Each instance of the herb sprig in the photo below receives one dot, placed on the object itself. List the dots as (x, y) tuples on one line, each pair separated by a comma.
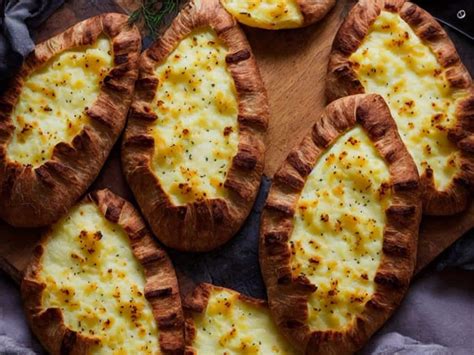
[(152, 12)]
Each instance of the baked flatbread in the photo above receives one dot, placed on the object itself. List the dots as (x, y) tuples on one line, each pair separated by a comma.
[(99, 284), (397, 50), (61, 115), (193, 150), (339, 228), (278, 14), (223, 321)]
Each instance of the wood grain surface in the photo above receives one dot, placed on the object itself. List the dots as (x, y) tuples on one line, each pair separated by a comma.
[(293, 65)]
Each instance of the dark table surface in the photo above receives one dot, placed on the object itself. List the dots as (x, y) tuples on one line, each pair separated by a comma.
[(439, 308)]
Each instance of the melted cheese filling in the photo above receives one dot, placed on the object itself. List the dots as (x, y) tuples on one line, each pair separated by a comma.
[(196, 133), (230, 325), (269, 14), (393, 62), (338, 229), (91, 274), (53, 99)]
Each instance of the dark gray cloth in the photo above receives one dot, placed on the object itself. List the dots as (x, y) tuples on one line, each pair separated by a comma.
[(437, 313), (395, 343), (15, 336), (460, 254), (8, 346), (17, 18), (456, 14)]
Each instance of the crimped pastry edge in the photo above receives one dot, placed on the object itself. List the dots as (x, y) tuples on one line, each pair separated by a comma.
[(36, 197), (197, 301), (161, 288), (342, 81), (202, 225), (287, 294)]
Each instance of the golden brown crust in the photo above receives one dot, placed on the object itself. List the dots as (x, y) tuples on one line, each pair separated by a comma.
[(314, 10), (32, 197), (206, 224), (342, 81), (161, 288), (287, 294), (196, 302)]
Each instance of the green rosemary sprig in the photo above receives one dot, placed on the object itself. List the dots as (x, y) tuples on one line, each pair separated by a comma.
[(152, 12)]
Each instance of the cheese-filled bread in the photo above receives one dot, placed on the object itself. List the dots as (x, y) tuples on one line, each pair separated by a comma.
[(61, 115), (339, 228), (193, 149), (99, 284), (397, 50), (278, 14), (223, 321)]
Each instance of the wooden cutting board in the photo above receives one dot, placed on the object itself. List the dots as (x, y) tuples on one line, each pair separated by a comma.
[(293, 65)]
